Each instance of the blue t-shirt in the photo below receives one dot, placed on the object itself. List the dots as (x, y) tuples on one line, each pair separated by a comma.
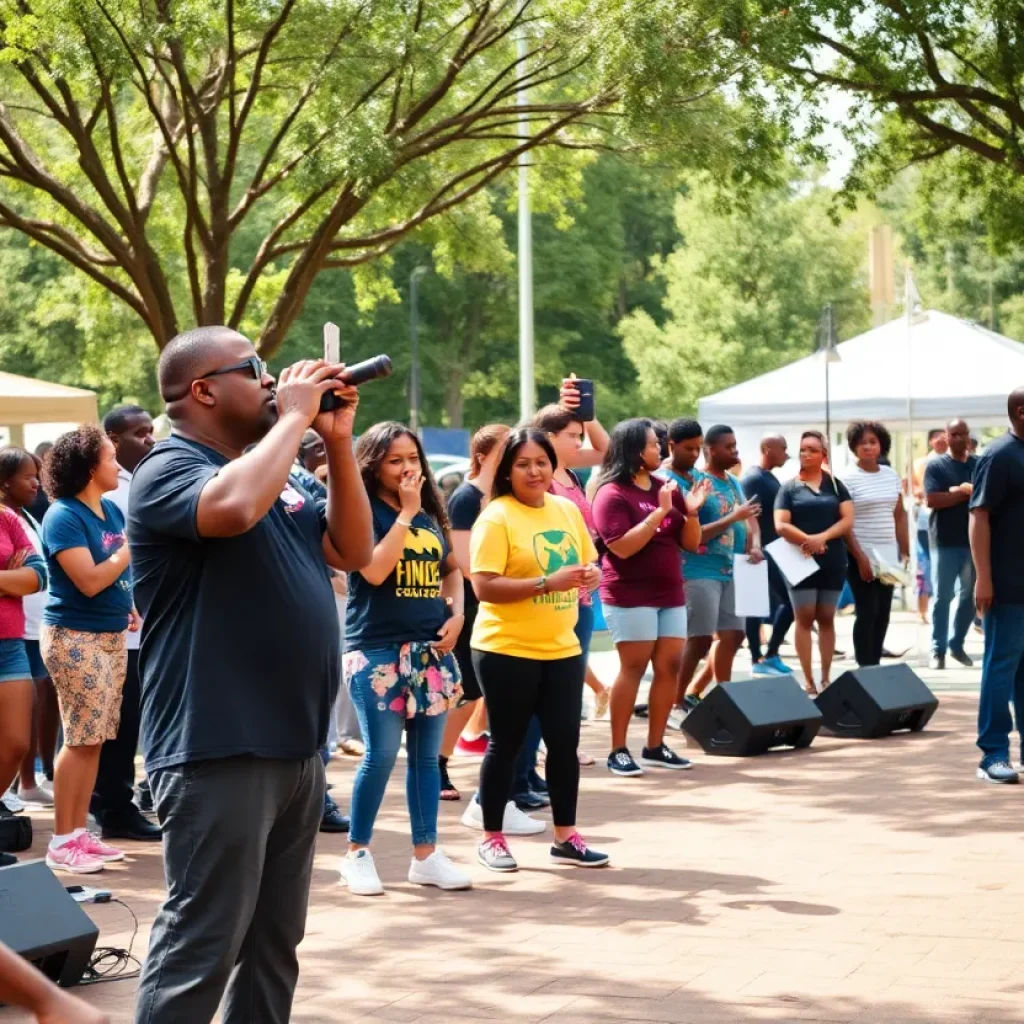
[(70, 523), (764, 485), (999, 487), (948, 526), (241, 648), (408, 605), (714, 560)]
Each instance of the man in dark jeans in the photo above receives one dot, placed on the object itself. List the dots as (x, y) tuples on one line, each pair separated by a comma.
[(997, 541), (761, 483), (947, 488), (231, 566), (130, 428)]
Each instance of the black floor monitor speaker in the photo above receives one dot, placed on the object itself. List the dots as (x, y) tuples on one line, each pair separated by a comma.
[(871, 702), (745, 718), (42, 923)]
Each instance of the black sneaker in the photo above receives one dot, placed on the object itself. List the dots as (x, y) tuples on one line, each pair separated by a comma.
[(999, 772), (938, 662), (961, 658), (129, 824), (531, 801), (620, 762), (663, 757), (333, 820), (640, 710), (575, 851), (7, 859)]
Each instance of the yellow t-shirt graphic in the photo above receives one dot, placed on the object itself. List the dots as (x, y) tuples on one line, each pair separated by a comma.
[(515, 540)]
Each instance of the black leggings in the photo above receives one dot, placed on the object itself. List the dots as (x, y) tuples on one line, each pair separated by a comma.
[(516, 689), (874, 606)]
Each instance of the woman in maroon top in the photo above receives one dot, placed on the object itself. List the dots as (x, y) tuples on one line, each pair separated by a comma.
[(642, 523)]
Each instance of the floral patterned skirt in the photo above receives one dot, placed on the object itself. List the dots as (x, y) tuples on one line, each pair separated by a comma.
[(409, 680), (88, 672)]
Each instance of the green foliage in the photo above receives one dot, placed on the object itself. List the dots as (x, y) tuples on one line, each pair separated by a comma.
[(962, 260), (202, 161), (745, 291)]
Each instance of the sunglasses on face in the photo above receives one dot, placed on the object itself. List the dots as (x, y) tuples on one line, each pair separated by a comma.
[(256, 366)]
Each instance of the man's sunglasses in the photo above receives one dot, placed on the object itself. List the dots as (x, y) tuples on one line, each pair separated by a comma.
[(256, 366)]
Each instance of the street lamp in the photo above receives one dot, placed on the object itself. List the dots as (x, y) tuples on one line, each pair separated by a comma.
[(829, 354), (414, 344)]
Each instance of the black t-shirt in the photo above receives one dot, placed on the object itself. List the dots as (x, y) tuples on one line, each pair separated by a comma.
[(408, 605), (815, 513), (947, 527), (241, 647), (463, 510), (764, 485), (999, 487)]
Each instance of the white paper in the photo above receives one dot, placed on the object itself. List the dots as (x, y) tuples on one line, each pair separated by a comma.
[(792, 562), (751, 584)]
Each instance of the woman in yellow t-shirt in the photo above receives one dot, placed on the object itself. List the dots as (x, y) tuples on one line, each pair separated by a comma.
[(530, 552)]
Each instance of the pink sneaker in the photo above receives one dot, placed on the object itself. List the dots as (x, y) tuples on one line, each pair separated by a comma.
[(73, 858), (95, 847)]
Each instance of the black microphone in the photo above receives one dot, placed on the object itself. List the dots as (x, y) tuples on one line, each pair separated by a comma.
[(373, 368)]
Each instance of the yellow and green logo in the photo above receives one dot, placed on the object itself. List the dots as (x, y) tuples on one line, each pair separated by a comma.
[(554, 549)]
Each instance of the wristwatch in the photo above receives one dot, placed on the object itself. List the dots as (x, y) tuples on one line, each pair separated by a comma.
[(541, 586)]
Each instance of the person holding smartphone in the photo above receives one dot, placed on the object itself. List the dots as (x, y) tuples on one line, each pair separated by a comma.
[(404, 617)]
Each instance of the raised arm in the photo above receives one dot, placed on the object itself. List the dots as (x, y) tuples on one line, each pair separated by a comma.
[(388, 550), (244, 491), (595, 433)]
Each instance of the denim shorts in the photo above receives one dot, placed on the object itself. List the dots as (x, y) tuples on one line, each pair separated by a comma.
[(13, 661), (639, 625), (35, 660)]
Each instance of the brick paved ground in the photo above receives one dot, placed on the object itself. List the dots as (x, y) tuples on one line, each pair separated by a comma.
[(870, 882)]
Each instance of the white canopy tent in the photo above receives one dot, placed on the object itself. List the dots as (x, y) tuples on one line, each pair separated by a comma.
[(948, 367), (24, 400)]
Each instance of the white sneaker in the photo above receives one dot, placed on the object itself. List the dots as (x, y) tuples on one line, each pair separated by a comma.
[(42, 782), (36, 795), (12, 802), (438, 870), (515, 823), (676, 717), (359, 873)]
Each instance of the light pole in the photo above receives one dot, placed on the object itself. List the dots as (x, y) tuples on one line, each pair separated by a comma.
[(527, 397), (830, 355), (414, 346)]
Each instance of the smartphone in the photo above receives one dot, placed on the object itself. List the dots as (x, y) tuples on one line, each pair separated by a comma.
[(332, 354), (332, 343)]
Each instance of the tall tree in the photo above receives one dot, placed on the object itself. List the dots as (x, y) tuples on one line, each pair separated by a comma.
[(203, 160), (745, 291)]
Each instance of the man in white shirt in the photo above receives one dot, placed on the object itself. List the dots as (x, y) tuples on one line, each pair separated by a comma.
[(130, 428)]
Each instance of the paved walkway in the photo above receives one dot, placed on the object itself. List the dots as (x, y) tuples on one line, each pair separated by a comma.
[(869, 882)]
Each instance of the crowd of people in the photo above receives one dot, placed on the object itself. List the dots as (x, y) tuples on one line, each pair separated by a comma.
[(296, 592)]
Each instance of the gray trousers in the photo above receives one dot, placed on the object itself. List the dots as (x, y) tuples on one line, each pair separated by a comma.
[(238, 837)]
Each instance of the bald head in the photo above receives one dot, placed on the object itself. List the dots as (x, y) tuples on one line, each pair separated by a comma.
[(959, 436), (190, 355), (774, 451), (1015, 410)]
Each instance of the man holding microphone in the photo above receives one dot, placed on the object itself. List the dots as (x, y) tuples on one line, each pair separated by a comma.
[(231, 566)]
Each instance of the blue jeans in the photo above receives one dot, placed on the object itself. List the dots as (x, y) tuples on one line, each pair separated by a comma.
[(526, 763), (1002, 681), (952, 568), (382, 731)]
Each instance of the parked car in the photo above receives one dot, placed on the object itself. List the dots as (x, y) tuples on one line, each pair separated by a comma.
[(449, 472)]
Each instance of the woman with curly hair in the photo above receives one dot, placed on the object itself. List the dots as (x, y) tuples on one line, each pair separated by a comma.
[(404, 616), (83, 634), (879, 535)]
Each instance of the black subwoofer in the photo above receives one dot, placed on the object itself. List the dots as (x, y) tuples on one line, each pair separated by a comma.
[(745, 718), (868, 703)]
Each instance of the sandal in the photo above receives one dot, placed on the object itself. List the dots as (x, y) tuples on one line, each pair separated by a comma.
[(448, 790)]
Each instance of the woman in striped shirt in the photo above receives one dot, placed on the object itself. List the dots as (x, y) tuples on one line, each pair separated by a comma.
[(879, 535)]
